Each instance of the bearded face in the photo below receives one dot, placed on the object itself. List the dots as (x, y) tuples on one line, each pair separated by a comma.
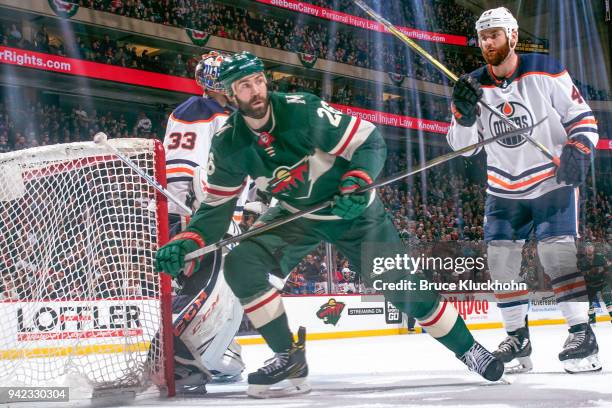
[(496, 55), (494, 45), (251, 96), (255, 107)]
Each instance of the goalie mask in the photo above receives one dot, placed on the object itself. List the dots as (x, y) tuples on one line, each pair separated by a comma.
[(207, 71)]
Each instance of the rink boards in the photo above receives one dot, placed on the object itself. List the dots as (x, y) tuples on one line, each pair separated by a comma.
[(342, 316), (60, 328), (63, 327)]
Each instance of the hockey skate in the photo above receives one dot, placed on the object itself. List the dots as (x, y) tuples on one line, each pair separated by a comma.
[(592, 319), (481, 361), (579, 354), (189, 380), (516, 346), (289, 365)]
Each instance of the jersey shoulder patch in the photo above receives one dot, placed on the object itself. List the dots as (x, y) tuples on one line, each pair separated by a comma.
[(539, 64), (198, 109)]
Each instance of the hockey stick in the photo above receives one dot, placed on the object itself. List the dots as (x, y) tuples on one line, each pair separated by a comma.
[(450, 75), (434, 162), (101, 138)]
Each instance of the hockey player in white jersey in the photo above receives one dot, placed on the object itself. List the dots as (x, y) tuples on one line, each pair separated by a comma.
[(207, 314), (526, 191)]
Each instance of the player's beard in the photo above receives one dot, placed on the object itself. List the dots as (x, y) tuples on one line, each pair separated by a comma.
[(498, 56), (246, 109)]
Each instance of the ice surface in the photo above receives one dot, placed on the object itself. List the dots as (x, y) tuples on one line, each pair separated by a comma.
[(416, 371)]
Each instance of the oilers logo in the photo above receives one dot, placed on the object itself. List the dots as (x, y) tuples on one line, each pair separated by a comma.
[(518, 114)]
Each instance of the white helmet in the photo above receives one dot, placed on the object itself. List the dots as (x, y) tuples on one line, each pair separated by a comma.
[(498, 17)]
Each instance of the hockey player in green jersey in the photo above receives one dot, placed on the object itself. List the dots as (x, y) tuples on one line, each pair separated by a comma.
[(595, 267), (303, 152)]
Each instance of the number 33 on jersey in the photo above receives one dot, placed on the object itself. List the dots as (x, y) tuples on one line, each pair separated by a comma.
[(189, 132)]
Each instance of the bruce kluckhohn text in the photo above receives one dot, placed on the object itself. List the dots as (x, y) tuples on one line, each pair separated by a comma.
[(462, 286)]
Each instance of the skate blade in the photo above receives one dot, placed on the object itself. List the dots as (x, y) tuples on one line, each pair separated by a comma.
[(226, 379), (191, 391), (297, 386), (589, 364), (521, 365)]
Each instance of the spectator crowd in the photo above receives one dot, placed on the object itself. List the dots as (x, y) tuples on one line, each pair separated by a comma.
[(441, 206)]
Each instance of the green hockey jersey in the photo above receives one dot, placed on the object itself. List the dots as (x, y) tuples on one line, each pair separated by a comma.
[(595, 269), (299, 160)]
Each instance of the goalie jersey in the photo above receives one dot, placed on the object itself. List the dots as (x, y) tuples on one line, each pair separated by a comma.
[(538, 87), (189, 134)]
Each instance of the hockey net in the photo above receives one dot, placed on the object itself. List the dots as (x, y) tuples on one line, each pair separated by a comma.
[(80, 302)]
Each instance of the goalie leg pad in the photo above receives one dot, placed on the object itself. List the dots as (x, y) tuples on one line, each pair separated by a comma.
[(209, 322)]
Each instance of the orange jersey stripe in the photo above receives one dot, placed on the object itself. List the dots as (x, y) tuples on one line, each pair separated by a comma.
[(530, 73), (569, 286), (582, 122), (522, 183), (511, 295), (180, 170), (213, 117)]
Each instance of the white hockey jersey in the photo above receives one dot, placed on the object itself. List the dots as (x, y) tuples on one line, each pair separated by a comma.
[(189, 133), (538, 87)]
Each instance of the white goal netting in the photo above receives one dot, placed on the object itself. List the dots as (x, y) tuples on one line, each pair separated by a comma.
[(79, 298)]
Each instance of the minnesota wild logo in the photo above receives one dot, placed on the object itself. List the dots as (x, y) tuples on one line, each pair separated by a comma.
[(197, 37), (307, 60), (64, 9), (286, 178), (330, 312)]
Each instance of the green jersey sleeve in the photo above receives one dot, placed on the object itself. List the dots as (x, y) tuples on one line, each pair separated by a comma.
[(225, 182), (349, 137)]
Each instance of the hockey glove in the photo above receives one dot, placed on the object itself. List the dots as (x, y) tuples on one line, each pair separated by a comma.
[(170, 257), (575, 161), (348, 205), (466, 94)]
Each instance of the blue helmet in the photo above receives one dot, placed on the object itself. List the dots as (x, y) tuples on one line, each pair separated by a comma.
[(207, 71)]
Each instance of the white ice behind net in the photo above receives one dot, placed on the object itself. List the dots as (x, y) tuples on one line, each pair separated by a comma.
[(79, 297)]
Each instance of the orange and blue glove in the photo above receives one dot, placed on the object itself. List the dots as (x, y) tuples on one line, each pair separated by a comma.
[(575, 160)]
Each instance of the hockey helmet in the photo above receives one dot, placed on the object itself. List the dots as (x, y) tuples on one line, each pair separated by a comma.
[(498, 17), (207, 71), (238, 66)]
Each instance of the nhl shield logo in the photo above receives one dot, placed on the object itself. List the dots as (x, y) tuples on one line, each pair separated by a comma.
[(517, 113), (265, 140), (330, 312)]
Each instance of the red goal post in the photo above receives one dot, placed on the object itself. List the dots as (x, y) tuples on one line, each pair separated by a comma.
[(79, 298)]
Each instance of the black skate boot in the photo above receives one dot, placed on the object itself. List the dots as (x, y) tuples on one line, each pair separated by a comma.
[(592, 314), (481, 361), (289, 365), (516, 346), (580, 350)]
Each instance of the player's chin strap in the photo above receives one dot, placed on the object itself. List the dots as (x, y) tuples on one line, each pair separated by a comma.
[(432, 163), (450, 75)]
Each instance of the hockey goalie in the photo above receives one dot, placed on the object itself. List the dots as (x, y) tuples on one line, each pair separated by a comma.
[(206, 313)]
